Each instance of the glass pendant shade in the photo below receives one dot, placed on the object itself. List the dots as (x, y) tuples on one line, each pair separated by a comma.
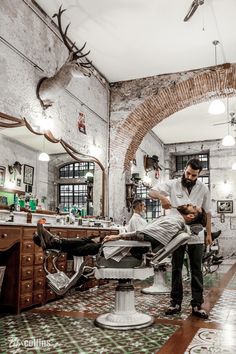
[(216, 107), (234, 166), (44, 157), (228, 140)]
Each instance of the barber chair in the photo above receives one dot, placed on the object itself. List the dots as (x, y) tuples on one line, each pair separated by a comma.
[(59, 282), (125, 316), (160, 262)]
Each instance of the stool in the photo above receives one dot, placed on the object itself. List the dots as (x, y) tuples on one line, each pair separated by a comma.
[(125, 316)]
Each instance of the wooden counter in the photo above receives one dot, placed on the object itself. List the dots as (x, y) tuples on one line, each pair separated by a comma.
[(24, 284)]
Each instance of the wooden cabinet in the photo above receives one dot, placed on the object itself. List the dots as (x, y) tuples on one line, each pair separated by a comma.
[(25, 284)]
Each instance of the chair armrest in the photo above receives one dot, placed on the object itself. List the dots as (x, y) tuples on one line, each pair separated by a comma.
[(176, 242), (128, 243)]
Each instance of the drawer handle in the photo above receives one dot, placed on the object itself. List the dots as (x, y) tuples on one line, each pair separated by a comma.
[(27, 300), (40, 270), (28, 246), (59, 234), (28, 259), (40, 258), (27, 285), (39, 296), (4, 235), (28, 272)]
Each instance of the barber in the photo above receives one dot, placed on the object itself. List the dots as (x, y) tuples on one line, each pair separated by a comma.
[(187, 190)]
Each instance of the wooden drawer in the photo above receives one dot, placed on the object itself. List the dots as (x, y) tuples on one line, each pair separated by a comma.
[(38, 271), (27, 246), (28, 233), (39, 284), (8, 237), (26, 300), (50, 295), (27, 259), (59, 232), (38, 258), (38, 297), (27, 273), (62, 266), (26, 286), (77, 233), (94, 233)]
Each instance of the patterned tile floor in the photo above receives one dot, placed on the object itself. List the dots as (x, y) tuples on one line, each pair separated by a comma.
[(39, 333), (46, 332), (213, 341)]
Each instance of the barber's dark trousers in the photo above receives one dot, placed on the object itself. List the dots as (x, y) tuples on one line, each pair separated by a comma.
[(79, 247), (195, 253)]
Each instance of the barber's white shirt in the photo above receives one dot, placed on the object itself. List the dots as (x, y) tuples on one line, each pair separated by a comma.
[(178, 195)]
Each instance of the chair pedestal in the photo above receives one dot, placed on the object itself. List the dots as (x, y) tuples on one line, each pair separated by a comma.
[(159, 284), (125, 315)]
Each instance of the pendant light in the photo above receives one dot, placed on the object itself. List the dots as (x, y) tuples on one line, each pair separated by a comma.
[(216, 106), (43, 156), (228, 139)]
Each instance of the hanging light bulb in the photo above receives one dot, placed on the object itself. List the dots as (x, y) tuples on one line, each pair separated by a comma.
[(228, 139), (216, 106), (44, 156)]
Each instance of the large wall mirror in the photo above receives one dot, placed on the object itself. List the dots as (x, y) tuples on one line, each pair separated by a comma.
[(69, 179)]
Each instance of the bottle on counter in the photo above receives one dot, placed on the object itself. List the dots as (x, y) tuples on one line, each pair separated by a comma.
[(29, 217)]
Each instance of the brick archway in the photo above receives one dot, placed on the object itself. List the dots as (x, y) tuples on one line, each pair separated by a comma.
[(209, 83)]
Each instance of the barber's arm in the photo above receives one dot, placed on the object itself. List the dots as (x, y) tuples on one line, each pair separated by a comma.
[(154, 194), (208, 230)]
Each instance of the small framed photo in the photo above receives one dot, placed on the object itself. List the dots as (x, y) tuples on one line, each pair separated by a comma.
[(28, 176), (224, 206)]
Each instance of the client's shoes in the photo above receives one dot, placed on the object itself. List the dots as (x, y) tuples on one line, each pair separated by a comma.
[(173, 309), (199, 312), (45, 239)]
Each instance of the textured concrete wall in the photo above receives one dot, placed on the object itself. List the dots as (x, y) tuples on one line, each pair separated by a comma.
[(30, 50)]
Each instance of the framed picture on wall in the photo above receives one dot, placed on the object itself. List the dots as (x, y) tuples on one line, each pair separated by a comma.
[(28, 176), (224, 206)]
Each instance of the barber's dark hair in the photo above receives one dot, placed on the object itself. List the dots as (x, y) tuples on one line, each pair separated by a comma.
[(201, 218), (136, 202), (195, 164)]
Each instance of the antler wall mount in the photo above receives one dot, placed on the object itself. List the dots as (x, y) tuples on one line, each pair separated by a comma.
[(50, 88)]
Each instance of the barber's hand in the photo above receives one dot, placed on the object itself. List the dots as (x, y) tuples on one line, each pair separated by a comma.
[(110, 238), (208, 240), (166, 204)]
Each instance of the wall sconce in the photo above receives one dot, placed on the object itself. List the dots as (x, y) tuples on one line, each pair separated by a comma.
[(152, 163)]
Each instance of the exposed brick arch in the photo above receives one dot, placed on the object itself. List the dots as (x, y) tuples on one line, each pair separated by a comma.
[(209, 83)]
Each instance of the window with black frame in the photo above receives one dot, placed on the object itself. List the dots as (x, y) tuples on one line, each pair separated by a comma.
[(181, 161), (75, 192), (153, 207)]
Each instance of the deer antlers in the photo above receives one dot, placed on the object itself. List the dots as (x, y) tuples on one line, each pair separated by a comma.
[(76, 54)]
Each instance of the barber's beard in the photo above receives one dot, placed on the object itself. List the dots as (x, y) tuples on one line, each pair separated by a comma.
[(187, 183)]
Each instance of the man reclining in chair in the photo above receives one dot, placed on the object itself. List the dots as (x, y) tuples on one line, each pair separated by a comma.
[(158, 233)]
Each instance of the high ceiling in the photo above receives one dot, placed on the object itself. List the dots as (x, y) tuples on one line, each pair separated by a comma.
[(131, 39)]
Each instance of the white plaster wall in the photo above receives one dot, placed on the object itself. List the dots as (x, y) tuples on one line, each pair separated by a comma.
[(29, 51)]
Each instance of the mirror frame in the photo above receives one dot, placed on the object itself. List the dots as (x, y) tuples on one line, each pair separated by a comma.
[(7, 121)]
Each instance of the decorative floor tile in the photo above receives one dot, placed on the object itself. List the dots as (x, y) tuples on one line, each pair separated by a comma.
[(224, 310), (213, 341), (37, 333)]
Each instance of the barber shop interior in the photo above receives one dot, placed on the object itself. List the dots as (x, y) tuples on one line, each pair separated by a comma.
[(118, 176)]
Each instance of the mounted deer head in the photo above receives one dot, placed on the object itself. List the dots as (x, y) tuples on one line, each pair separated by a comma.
[(49, 89)]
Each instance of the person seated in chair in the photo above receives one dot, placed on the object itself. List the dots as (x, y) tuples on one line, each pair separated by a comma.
[(158, 233)]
